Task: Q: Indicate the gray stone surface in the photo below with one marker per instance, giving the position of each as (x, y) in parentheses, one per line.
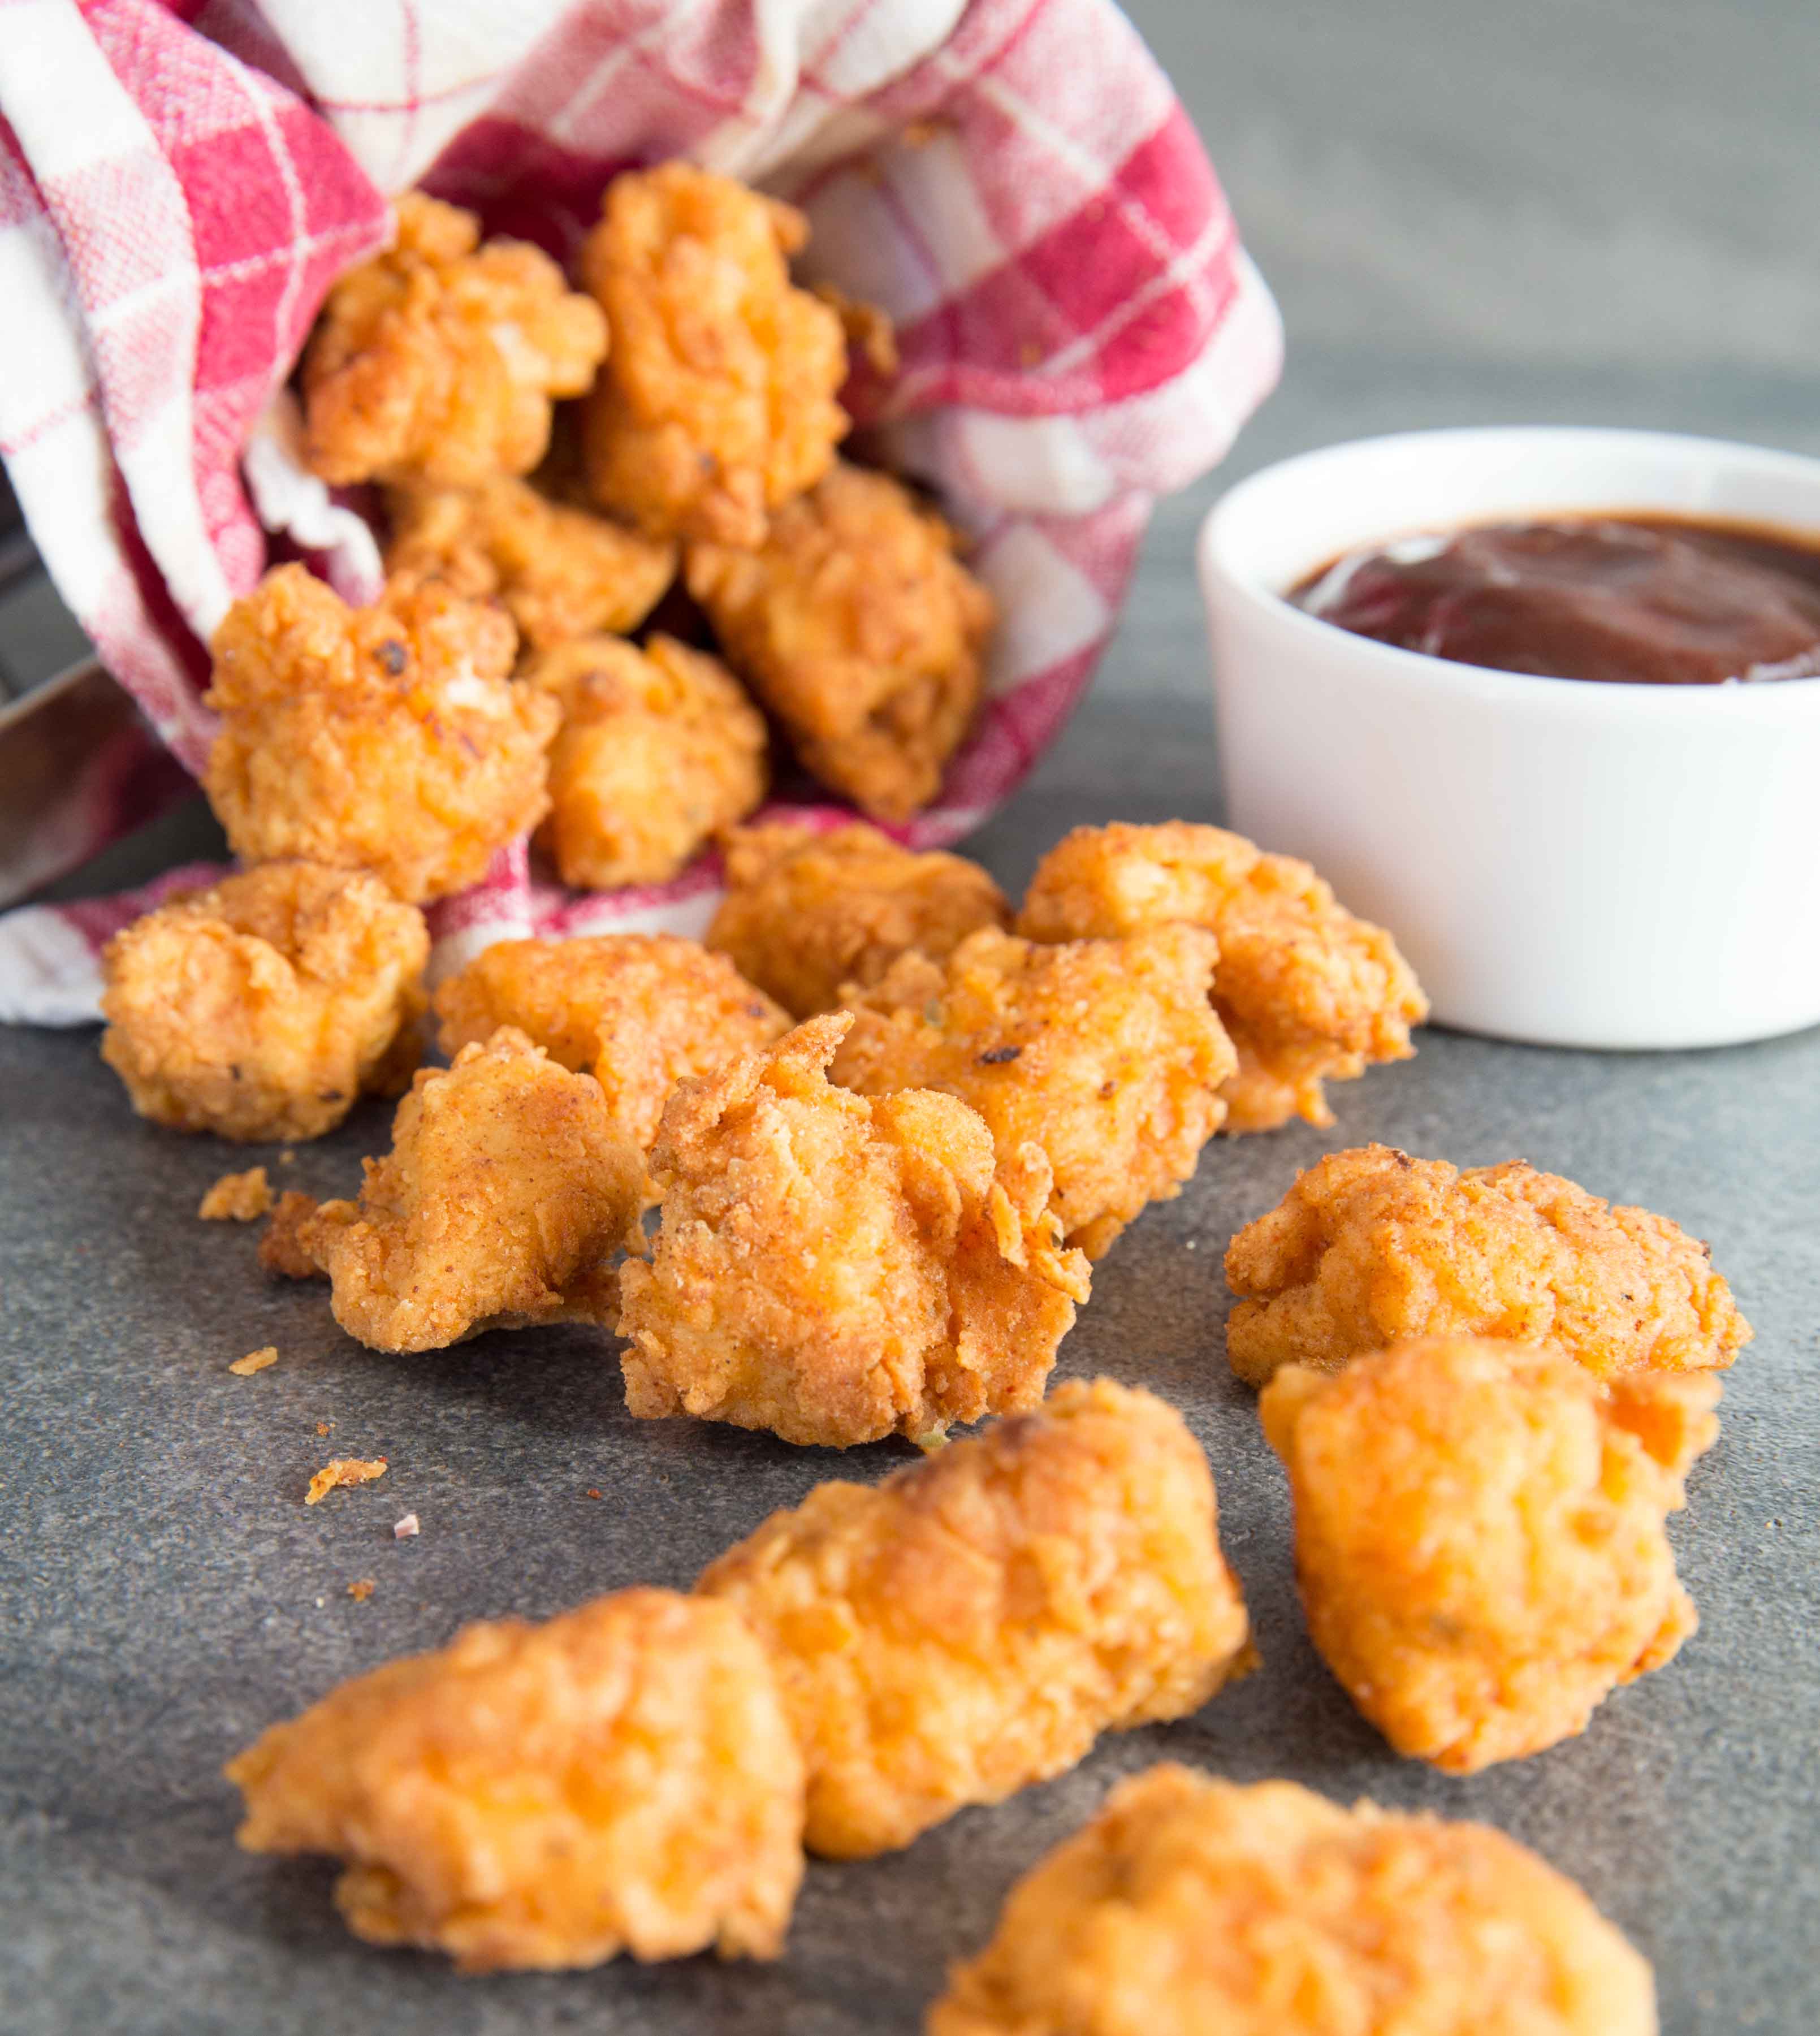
(163, 1593)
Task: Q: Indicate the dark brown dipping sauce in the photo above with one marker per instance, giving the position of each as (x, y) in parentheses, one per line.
(1627, 599)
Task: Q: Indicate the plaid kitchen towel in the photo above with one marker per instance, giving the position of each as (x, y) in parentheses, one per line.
(1013, 180)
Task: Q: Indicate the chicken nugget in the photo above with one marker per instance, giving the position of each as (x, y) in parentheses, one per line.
(1371, 1248)
(1106, 1054)
(1190, 1904)
(859, 628)
(538, 1797)
(506, 1194)
(438, 359)
(716, 403)
(641, 1010)
(1478, 1535)
(561, 571)
(807, 913)
(837, 1270)
(261, 1007)
(386, 738)
(658, 749)
(972, 1624)
(1308, 993)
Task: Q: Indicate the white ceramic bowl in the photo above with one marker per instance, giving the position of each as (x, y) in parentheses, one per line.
(1568, 863)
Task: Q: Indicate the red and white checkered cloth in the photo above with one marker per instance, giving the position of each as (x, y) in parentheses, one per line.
(181, 180)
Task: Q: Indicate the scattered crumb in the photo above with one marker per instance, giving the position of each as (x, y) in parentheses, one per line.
(1029, 353)
(360, 1589)
(407, 1528)
(322, 1428)
(593, 1491)
(287, 1158)
(320, 1603)
(919, 134)
(237, 1197)
(343, 1470)
(254, 1360)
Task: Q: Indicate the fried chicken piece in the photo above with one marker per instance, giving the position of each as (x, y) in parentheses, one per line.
(237, 1197)
(561, 571)
(386, 738)
(835, 1269)
(972, 1624)
(859, 628)
(1371, 1248)
(1106, 1054)
(806, 913)
(538, 1797)
(1478, 1535)
(261, 1007)
(641, 1010)
(658, 749)
(284, 1249)
(438, 359)
(508, 1189)
(1308, 993)
(1190, 1904)
(716, 403)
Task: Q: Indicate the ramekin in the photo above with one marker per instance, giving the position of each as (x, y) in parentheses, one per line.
(1565, 863)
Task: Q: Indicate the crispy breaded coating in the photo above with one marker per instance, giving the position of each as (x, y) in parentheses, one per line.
(1190, 1907)
(658, 749)
(438, 359)
(641, 1010)
(716, 403)
(837, 1270)
(284, 1248)
(1106, 1054)
(806, 912)
(386, 738)
(261, 1007)
(237, 1197)
(531, 1798)
(1308, 993)
(507, 1192)
(971, 1625)
(561, 571)
(1478, 1535)
(859, 628)
(1371, 1248)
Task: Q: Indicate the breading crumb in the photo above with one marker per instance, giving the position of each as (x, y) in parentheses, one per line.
(407, 1528)
(287, 1158)
(237, 1197)
(360, 1589)
(322, 1428)
(593, 1491)
(343, 1470)
(254, 1360)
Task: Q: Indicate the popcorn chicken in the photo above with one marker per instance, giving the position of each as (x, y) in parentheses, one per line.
(658, 749)
(507, 1190)
(1106, 1054)
(262, 1007)
(1190, 1905)
(837, 1270)
(806, 913)
(1308, 993)
(1479, 1535)
(717, 404)
(439, 358)
(641, 1010)
(561, 571)
(970, 1625)
(1371, 1248)
(388, 738)
(859, 628)
(529, 1798)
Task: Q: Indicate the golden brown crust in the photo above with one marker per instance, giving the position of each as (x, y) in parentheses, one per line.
(1308, 993)
(237, 1197)
(506, 1194)
(1106, 1054)
(837, 1270)
(1371, 1248)
(561, 571)
(1479, 1535)
(717, 402)
(438, 359)
(859, 628)
(1190, 1905)
(970, 1625)
(641, 1010)
(261, 1007)
(807, 912)
(658, 749)
(538, 1797)
(387, 738)
(285, 1252)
